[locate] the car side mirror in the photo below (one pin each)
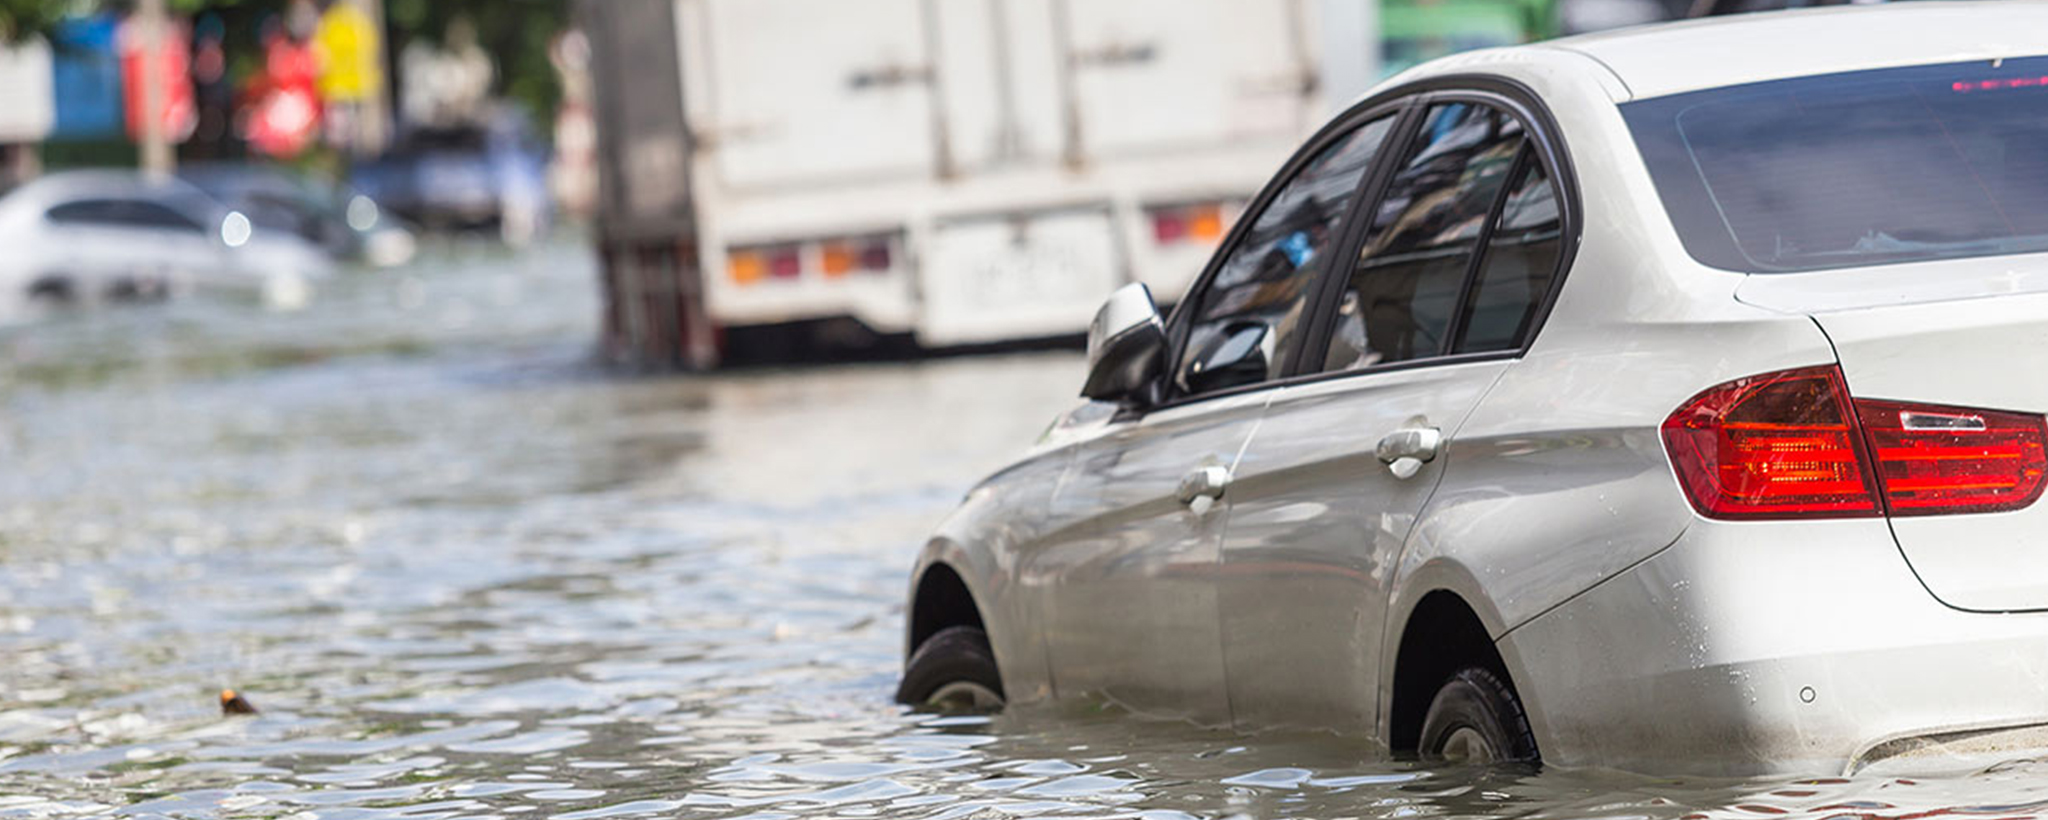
(1237, 356)
(1126, 348)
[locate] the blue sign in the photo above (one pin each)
(86, 75)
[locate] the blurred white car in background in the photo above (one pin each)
(82, 237)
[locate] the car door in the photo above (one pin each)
(1129, 594)
(99, 243)
(1442, 294)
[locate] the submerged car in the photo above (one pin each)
(1668, 399)
(490, 176)
(116, 235)
(348, 225)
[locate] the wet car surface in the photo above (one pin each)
(465, 574)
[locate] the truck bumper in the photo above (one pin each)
(1774, 648)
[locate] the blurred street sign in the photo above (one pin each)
(177, 113)
(28, 107)
(347, 43)
(85, 73)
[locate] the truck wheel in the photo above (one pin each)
(953, 670)
(1476, 718)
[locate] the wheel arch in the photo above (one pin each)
(1444, 625)
(940, 598)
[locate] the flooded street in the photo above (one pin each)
(465, 573)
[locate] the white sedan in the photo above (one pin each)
(112, 235)
(1665, 399)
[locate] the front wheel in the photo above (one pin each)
(953, 670)
(1476, 718)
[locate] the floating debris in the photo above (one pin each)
(232, 703)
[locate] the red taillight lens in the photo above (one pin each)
(1168, 227)
(785, 263)
(1793, 444)
(875, 258)
(1780, 445)
(1934, 459)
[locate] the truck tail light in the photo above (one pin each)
(1188, 223)
(832, 258)
(875, 256)
(785, 263)
(837, 258)
(745, 267)
(1794, 444)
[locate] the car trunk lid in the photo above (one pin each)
(1965, 333)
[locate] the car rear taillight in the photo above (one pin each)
(1793, 444)
(1780, 445)
(1934, 459)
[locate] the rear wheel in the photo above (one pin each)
(953, 670)
(1476, 718)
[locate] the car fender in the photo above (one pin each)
(984, 541)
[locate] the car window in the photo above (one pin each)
(85, 211)
(130, 213)
(1261, 293)
(1404, 287)
(1863, 168)
(1520, 262)
(154, 215)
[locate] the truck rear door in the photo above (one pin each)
(805, 92)
(1148, 75)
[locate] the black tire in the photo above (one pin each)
(1476, 718)
(953, 670)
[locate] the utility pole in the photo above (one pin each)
(376, 115)
(153, 24)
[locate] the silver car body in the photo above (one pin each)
(1638, 633)
(194, 242)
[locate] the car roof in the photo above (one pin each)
(100, 183)
(1673, 58)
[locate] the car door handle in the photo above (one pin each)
(1419, 443)
(1405, 451)
(1204, 482)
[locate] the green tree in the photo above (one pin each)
(516, 33)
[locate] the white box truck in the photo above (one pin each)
(953, 172)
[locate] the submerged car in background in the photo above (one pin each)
(490, 177)
(1605, 401)
(348, 224)
(114, 235)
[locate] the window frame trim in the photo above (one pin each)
(1406, 102)
(1541, 132)
(1400, 107)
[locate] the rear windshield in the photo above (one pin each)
(1861, 168)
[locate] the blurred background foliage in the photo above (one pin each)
(516, 33)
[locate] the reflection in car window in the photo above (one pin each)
(1260, 294)
(1404, 289)
(1520, 261)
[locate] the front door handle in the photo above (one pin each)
(1405, 451)
(1204, 482)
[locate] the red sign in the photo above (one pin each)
(175, 114)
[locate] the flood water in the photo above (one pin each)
(464, 573)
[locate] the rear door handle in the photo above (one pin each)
(1405, 451)
(1204, 482)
